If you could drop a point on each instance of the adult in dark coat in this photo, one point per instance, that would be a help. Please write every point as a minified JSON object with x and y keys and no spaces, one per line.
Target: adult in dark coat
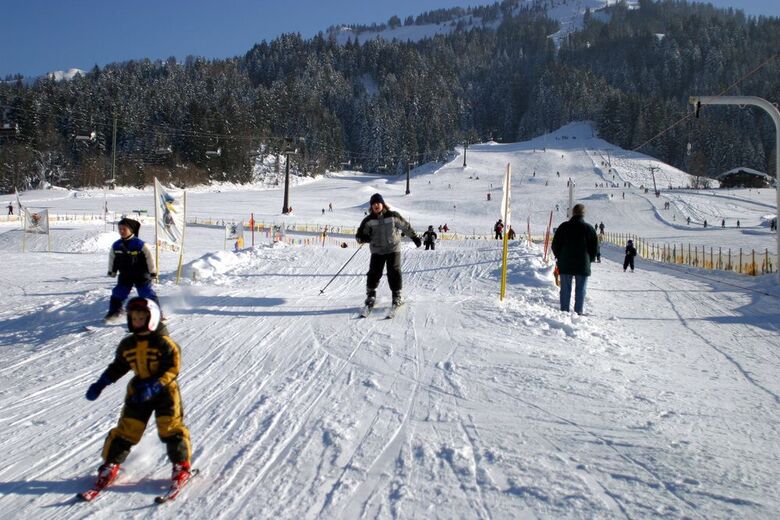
{"x":575,"y":246}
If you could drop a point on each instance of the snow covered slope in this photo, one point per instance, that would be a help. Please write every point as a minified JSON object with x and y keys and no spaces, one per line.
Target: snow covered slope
{"x":662,"y":401}
{"x":568,"y":12}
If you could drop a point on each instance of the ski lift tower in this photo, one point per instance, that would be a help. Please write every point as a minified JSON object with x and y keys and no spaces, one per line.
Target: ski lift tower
{"x":289,"y":150}
{"x":774,"y":113}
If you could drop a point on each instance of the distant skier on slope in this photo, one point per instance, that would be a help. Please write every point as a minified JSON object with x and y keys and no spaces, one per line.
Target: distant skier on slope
{"x":133,"y":260}
{"x":155,"y":360}
{"x":382,"y":230}
{"x":628,"y":261}
{"x":429,"y":239}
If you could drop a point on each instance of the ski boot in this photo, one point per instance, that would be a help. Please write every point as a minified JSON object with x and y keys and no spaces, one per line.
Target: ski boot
{"x":397,"y":300}
{"x":370,"y":297}
{"x":180,"y":473}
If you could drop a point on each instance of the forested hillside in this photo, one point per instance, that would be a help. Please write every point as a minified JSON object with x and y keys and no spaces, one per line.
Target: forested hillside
{"x":380,"y":105}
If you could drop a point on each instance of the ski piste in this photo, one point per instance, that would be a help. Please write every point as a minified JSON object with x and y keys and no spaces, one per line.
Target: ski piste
{"x":175,"y":489}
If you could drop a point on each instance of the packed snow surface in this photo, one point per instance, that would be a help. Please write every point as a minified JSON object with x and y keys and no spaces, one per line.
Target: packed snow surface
{"x":662,"y":401}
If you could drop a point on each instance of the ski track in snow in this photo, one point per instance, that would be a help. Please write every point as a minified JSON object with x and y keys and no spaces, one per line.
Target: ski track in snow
{"x":662,"y":401}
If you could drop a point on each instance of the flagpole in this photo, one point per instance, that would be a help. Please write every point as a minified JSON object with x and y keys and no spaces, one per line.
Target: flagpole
{"x":156,"y":241}
{"x":507,"y":223}
{"x":181,"y":250}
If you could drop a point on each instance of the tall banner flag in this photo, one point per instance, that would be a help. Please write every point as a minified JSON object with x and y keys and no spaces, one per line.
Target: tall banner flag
{"x":19,"y":207}
{"x":170,"y":212}
{"x":506,"y":214}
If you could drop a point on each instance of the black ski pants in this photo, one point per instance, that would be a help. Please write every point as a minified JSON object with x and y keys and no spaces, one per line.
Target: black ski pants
{"x":628,"y":261}
{"x":430,"y":245}
{"x":377,"y":265}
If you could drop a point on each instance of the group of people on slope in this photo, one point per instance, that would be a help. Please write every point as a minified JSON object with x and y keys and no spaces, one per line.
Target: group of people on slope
{"x":153,"y":357}
{"x":498,"y":230}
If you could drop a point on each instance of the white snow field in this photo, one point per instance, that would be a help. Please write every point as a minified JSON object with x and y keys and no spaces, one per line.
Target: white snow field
{"x":663,"y":401}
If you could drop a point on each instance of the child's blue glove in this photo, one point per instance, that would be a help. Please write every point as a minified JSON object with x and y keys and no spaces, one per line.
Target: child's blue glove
{"x":146,"y":389}
{"x":93,"y":392}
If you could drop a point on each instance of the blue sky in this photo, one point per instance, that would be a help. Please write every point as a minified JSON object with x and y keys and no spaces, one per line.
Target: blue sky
{"x":40,"y":36}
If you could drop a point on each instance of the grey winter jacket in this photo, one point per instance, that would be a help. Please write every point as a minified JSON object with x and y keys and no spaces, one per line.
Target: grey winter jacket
{"x":383,"y":231}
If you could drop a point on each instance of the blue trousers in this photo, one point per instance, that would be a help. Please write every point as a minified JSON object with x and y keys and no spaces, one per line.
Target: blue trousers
{"x":579,"y":292}
{"x":122,"y":290}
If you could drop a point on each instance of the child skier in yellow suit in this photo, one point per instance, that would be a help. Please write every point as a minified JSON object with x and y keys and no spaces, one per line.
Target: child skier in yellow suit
{"x":154,"y":358}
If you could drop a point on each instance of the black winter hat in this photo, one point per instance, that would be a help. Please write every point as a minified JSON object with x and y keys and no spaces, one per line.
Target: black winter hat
{"x":134,"y":225}
{"x":376,"y":197}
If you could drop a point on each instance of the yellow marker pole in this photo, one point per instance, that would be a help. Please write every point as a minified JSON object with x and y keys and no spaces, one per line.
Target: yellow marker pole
{"x":181,"y":249}
{"x":156,"y":241}
{"x":506,"y":210}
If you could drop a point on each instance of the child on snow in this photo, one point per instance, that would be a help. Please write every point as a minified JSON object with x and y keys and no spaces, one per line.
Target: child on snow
{"x":154,"y":358}
{"x":630,"y":254}
{"x":429,"y":239}
{"x":133,"y":260}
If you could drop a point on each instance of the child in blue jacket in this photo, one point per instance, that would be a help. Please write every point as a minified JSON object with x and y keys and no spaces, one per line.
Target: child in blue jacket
{"x":132,"y":259}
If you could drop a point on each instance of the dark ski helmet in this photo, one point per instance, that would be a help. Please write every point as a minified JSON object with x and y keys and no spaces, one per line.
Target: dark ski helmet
{"x":147,"y":305}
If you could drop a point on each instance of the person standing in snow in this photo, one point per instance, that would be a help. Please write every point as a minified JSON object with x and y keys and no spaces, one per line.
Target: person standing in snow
{"x":155,"y":360}
{"x":10,"y":208}
{"x":601,"y":228}
{"x":132,"y":259}
{"x":382,"y":229}
{"x":429,"y":239}
{"x":628,"y":261}
{"x":511,"y":233}
{"x":575,"y":246}
{"x":498,"y":228}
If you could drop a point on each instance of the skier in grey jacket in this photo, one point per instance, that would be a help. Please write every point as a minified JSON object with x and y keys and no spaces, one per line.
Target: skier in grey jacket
{"x":382,"y":229}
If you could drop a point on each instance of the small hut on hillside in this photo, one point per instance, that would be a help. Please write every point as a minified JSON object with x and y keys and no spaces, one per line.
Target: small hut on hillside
{"x":745,"y":178}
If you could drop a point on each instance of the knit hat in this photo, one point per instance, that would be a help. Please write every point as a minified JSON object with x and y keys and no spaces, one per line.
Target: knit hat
{"x":376,"y":197}
{"x":578,"y":209}
{"x":134,"y":225}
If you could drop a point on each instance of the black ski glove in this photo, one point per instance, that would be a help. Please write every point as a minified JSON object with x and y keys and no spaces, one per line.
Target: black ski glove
{"x":93,"y":392}
{"x":417,"y":241}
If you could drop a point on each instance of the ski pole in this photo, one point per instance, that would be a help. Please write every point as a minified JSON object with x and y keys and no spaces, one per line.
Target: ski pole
{"x":342,"y":267}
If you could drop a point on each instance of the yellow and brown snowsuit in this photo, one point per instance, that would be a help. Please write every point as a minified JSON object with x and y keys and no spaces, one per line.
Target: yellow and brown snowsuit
{"x":151,"y":356}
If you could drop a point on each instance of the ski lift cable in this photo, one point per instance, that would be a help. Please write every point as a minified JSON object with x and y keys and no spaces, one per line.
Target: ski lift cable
{"x":172,"y":131}
{"x":687,"y":116}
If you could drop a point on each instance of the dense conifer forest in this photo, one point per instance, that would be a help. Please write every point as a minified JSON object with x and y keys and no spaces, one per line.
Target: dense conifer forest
{"x":380,"y":105}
